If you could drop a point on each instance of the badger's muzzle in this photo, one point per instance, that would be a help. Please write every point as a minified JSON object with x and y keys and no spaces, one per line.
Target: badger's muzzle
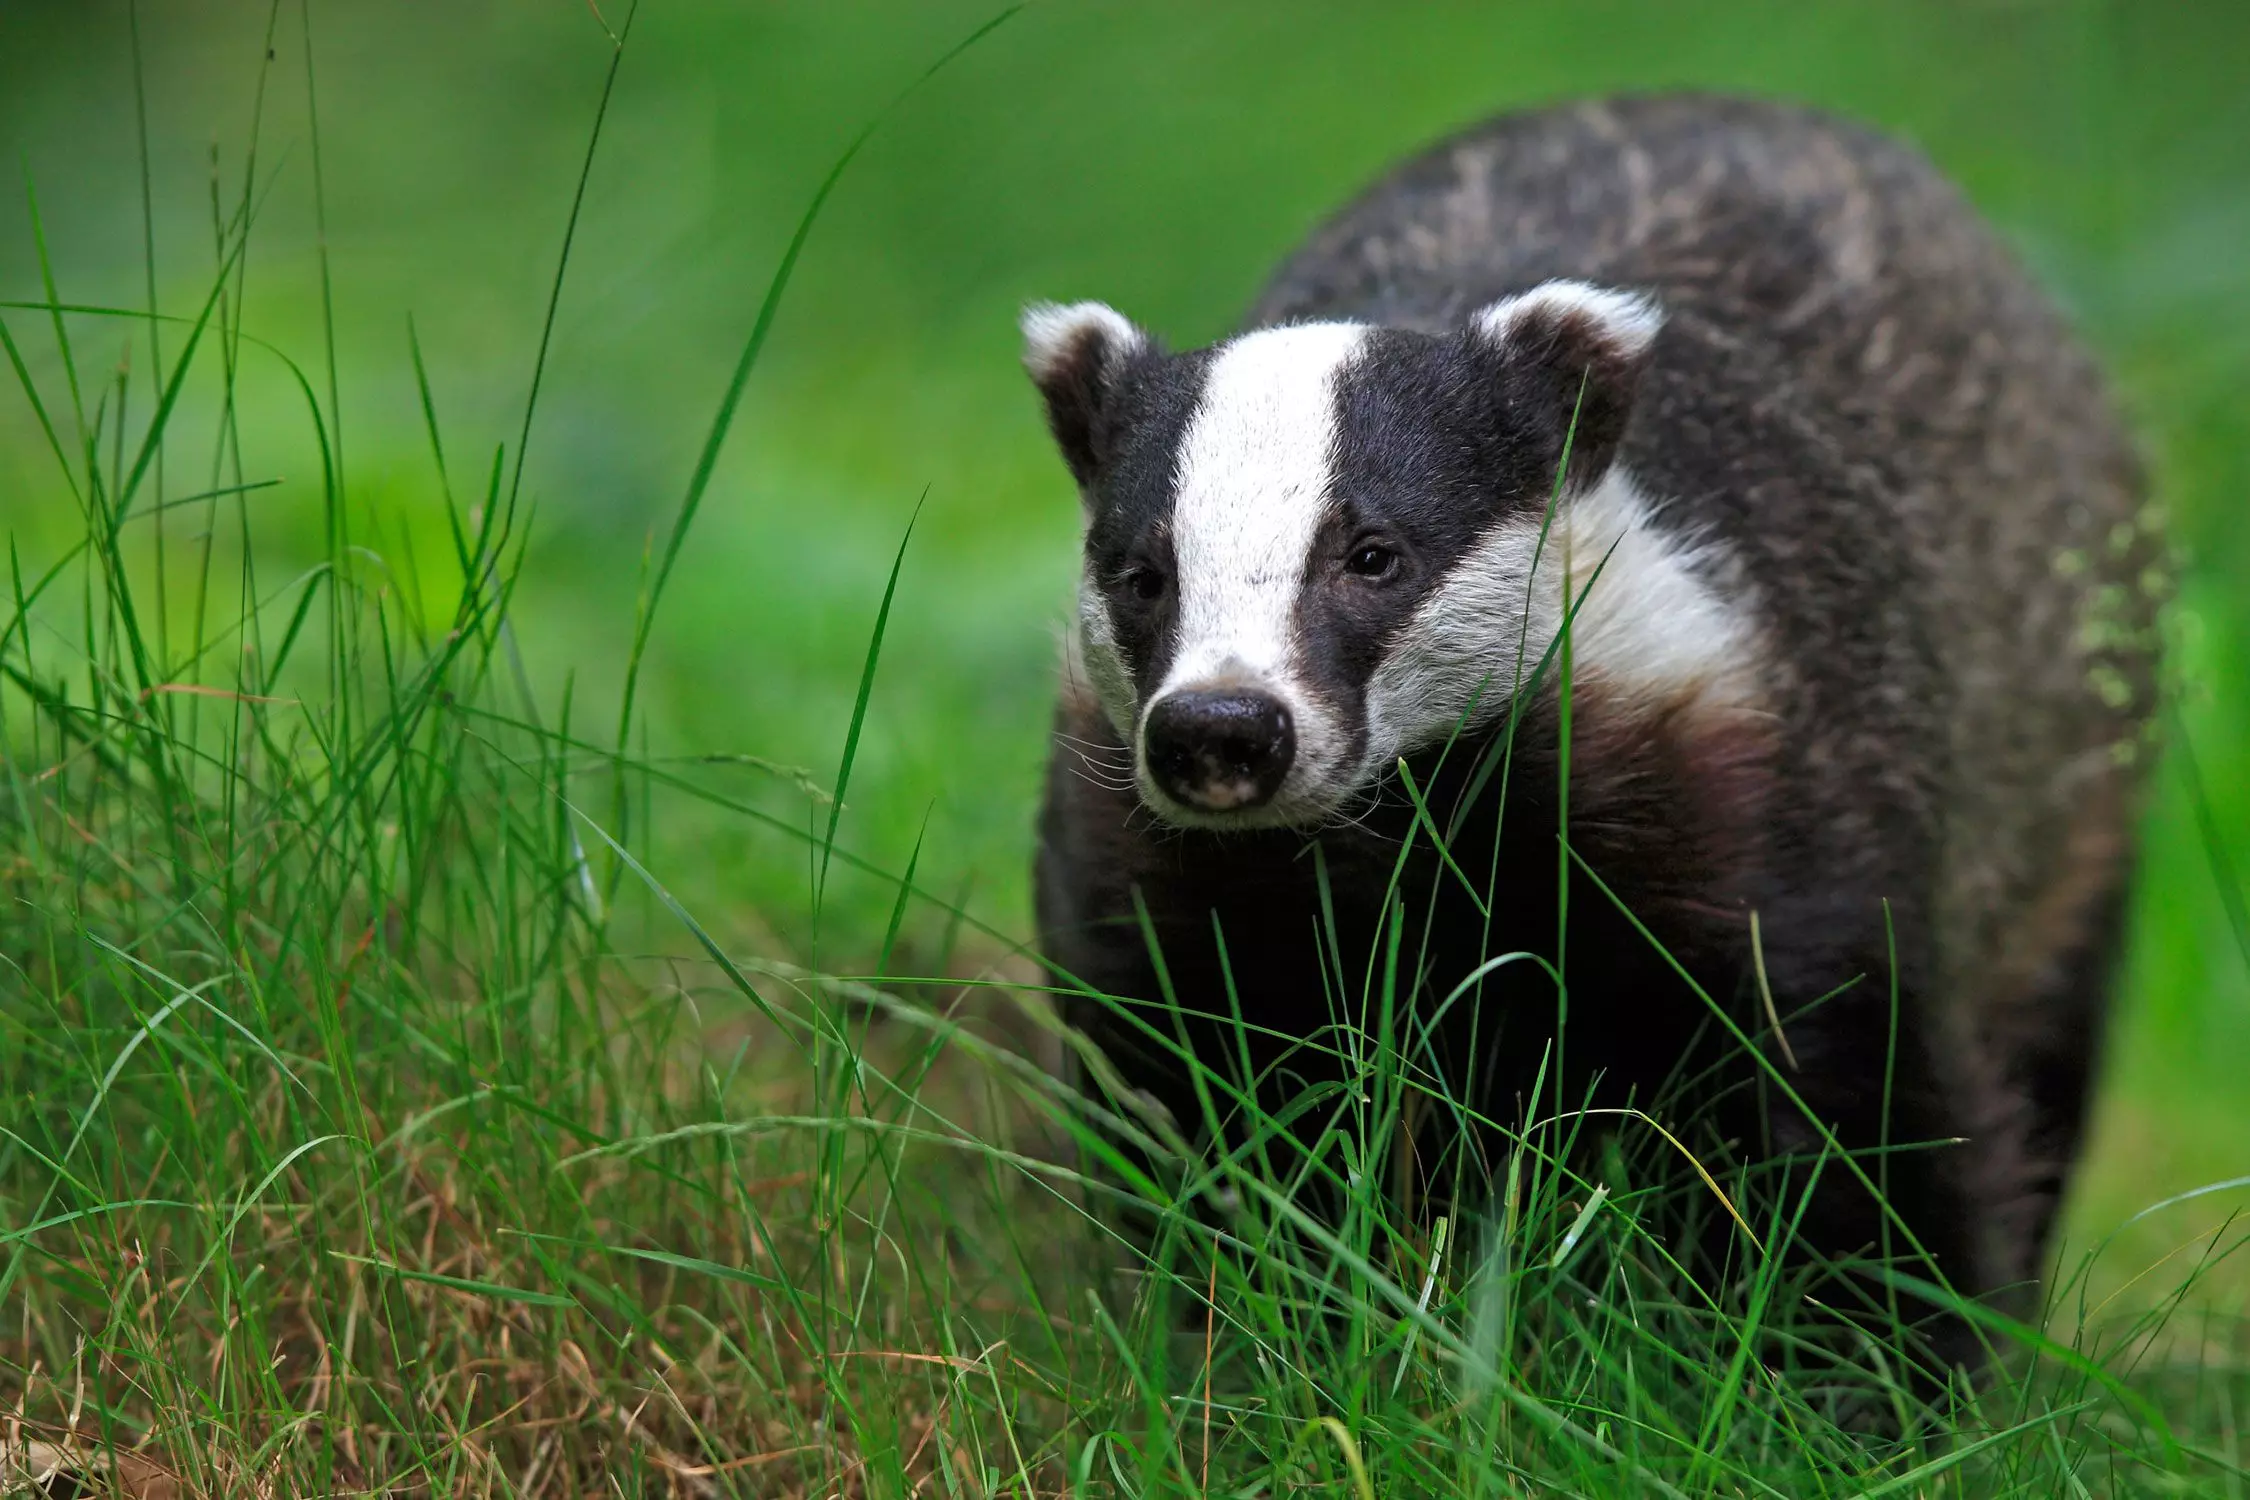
{"x":1218,"y":751}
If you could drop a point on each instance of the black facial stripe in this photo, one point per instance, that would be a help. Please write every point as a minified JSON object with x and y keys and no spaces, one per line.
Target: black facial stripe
{"x":1426,"y":458}
{"x":1132,"y":504}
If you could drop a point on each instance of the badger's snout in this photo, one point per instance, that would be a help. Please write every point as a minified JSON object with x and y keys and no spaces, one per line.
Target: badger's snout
{"x":1219,"y":751}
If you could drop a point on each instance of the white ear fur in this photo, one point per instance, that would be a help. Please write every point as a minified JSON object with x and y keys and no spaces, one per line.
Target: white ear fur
{"x":1054,"y":333}
{"x":1626,"y":321}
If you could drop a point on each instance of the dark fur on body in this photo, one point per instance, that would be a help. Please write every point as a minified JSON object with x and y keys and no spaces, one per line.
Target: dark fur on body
{"x":1935,"y":520}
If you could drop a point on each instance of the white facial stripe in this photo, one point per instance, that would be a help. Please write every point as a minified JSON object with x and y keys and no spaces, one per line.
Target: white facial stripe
{"x":1653,"y":629}
{"x":1250,"y":487}
{"x":1252,"y":481}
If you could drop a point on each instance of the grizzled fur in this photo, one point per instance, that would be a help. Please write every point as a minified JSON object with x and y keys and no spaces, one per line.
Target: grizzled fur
{"x":1868,"y":444}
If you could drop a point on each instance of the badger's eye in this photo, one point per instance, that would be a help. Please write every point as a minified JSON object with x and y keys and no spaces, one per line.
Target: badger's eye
{"x":1146,"y":583}
{"x":1371,"y":560}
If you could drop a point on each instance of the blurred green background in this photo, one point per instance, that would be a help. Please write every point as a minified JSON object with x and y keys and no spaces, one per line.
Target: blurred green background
{"x":1159,"y":155}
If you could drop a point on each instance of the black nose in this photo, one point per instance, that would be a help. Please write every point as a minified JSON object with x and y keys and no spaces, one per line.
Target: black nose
{"x":1219,"y":751}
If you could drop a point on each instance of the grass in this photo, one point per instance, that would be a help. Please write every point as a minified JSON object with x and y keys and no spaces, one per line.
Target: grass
{"x":392,"y":1109}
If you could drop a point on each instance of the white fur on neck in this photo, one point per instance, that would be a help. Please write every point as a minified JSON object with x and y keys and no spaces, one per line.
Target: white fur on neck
{"x":1662,"y":622}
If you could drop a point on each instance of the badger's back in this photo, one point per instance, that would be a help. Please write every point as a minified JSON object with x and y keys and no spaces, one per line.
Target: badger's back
{"x":1918,"y":486}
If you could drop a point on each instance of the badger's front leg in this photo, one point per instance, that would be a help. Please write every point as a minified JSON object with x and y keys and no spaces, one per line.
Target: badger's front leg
{"x":1861,"y":1128}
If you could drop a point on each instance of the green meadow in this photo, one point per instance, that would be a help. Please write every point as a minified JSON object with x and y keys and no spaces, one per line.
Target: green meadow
{"x":533,"y":591}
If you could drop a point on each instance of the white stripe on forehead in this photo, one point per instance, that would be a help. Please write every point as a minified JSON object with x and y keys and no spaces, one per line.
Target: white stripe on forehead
{"x":1252,"y":482}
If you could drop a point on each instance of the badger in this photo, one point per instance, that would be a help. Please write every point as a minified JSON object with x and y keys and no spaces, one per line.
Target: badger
{"x":1667,"y":535}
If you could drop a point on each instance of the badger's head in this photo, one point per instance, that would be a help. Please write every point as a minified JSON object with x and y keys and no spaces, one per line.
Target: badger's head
{"x":1310,"y":550}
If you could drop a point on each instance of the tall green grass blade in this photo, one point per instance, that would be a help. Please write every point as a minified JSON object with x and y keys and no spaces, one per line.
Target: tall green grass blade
{"x":859,"y":707}
{"x":723,"y":421}
{"x":493,"y":1290}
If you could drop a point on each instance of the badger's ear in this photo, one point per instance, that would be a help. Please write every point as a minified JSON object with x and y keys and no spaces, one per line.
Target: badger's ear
{"x":1569,"y":356}
{"x":1075,"y":354}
